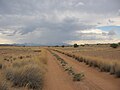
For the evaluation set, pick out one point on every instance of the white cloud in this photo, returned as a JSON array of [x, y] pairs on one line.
[[96, 34], [94, 31], [80, 4], [93, 41]]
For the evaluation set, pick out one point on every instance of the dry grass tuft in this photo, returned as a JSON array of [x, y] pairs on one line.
[[117, 69], [29, 75], [0, 65], [111, 66], [3, 85], [26, 73]]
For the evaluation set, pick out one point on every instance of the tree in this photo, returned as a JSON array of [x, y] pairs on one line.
[[75, 45], [63, 46], [114, 45], [119, 43]]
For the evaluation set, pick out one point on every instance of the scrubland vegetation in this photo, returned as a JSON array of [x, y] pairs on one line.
[[103, 64], [3, 84], [25, 68], [22, 67]]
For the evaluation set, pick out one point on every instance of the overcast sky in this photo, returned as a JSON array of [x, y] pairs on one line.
[[59, 21]]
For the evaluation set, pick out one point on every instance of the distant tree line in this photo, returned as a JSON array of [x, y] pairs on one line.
[[113, 45]]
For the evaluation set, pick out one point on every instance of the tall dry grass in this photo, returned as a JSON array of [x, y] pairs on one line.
[[3, 84], [111, 66], [27, 71], [43, 56], [25, 74]]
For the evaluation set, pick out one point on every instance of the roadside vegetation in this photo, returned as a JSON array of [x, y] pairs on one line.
[[76, 76], [114, 45], [3, 84], [113, 67], [75, 45]]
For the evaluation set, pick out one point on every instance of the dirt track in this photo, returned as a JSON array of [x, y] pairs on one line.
[[99, 80], [57, 79]]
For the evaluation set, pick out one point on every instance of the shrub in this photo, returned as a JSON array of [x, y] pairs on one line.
[[29, 76], [9, 74], [18, 64], [81, 59], [104, 67], [112, 69], [119, 43], [0, 66], [63, 46], [82, 45], [117, 69], [75, 45], [26, 76], [78, 77], [3, 85], [114, 45], [20, 57]]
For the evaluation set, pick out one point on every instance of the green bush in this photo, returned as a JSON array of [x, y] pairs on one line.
[[114, 45], [63, 46], [119, 43], [75, 45]]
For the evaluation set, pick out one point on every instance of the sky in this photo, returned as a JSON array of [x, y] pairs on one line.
[[51, 22]]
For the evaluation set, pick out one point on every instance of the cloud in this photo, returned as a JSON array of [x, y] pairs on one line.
[[93, 41], [95, 34], [57, 21], [111, 33]]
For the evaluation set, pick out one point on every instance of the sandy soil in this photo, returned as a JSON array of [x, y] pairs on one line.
[[56, 78], [94, 80]]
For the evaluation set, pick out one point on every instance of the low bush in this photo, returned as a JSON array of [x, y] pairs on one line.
[[78, 77], [75, 45], [104, 66], [117, 69], [81, 59], [3, 85], [114, 45], [25, 74], [0, 65], [9, 73], [69, 69], [29, 75], [112, 69]]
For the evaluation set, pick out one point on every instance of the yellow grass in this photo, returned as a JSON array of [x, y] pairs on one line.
[[27, 63], [101, 60]]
